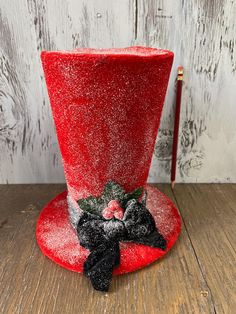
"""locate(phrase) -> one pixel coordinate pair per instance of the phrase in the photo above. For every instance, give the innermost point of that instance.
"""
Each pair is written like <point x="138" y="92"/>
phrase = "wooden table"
<point x="197" y="276"/>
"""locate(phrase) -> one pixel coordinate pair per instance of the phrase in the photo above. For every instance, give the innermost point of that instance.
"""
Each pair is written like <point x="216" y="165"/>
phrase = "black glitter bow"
<point x="102" y="238"/>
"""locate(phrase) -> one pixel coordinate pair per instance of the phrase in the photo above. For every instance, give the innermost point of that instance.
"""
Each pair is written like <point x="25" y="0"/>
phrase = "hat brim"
<point x="58" y="240"/>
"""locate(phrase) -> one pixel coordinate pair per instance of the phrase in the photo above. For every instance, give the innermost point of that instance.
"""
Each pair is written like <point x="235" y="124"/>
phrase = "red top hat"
<point x="106" y="105"/>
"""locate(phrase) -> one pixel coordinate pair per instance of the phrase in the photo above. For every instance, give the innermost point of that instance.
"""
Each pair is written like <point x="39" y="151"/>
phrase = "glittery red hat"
<point x="106" y="105"/>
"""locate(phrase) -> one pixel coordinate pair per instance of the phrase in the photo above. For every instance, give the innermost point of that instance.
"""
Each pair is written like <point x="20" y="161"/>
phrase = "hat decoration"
<point x="105" y="221"/>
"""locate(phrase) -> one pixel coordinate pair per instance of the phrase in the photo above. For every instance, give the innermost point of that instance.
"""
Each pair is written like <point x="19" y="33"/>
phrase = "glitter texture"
<point x="58" y="239"/>
<point x="106" y="105"/>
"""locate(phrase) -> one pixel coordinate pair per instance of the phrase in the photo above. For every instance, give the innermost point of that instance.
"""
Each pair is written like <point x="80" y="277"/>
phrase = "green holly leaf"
<point x="92" y="204"/>
<point x="113" y="191"/>
<point x="136" y="194"/>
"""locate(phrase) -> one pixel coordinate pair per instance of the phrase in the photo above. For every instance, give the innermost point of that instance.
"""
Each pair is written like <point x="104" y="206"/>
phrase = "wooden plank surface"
<point x="197" y="276"/>
<point x="208" y="213"/>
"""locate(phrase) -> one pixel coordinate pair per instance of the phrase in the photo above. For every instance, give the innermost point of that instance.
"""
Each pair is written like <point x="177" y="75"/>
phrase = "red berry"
<point x="113" y="204"/>
<point x="119" y="213"/>
<point x="113" y="210"/>
<point x="107" y="213"/>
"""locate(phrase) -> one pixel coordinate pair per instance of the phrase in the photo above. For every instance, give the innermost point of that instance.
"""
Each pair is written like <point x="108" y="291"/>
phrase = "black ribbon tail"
<point x="102" y="236"/>
<point x="155" y="239"/>
<point x="99" y="265"/>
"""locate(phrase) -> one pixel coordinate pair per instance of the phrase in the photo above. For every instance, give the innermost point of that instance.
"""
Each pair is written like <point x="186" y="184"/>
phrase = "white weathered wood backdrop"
<point x="200" y="32"/>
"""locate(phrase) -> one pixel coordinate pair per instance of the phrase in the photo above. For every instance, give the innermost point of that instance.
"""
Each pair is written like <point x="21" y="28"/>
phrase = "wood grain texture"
<point x="29" y="148"/>
<point x="187" y="280"/>
<point x="201" y="34"/>
<point x="208" y="214"/>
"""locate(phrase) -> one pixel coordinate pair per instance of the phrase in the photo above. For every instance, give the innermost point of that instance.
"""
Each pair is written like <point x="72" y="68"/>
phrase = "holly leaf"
<point x="92" y="204"/>
<point x="136" y="194"/>
<point x="95" y="205"/>
<point x="113" y="191"/>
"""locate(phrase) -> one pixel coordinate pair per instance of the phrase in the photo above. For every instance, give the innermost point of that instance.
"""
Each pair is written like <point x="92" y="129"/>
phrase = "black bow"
<point x="102" y="238"/>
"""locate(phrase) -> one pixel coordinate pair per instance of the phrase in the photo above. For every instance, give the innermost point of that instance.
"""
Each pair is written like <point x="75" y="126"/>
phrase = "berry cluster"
<point x="113" y="210"/>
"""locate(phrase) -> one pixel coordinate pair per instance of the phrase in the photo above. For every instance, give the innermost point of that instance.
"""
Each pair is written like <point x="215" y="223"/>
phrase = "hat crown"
<point x="106" y="106"/>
